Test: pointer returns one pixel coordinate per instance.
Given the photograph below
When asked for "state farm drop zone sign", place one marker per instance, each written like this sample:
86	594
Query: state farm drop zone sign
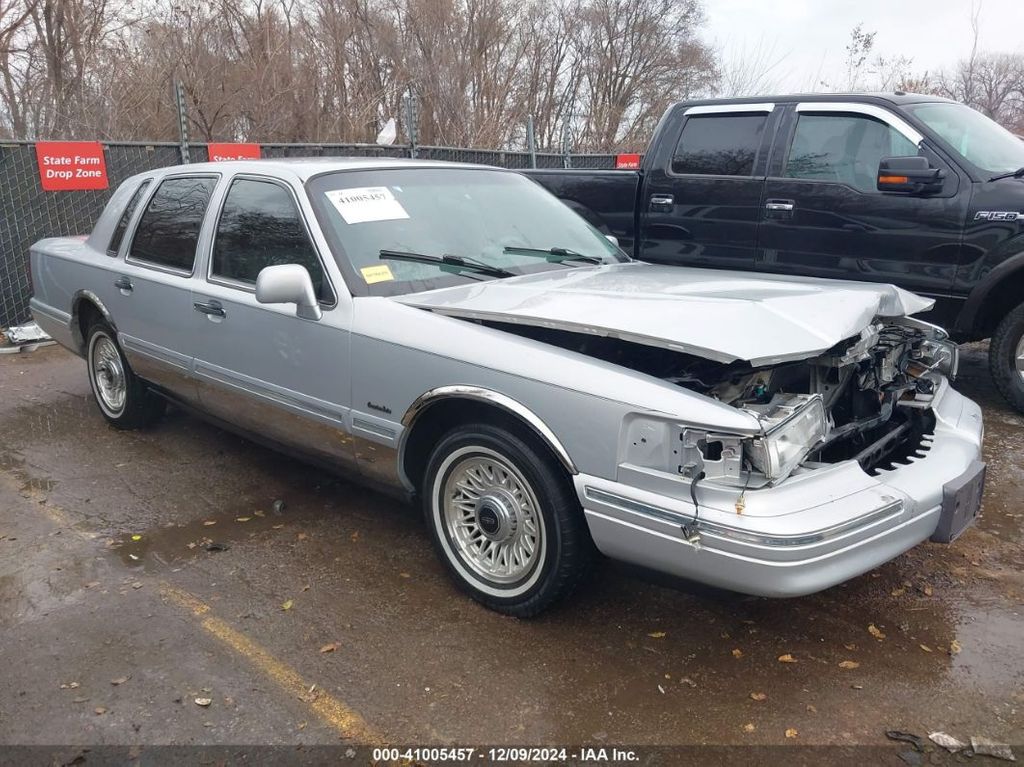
228	152
68	166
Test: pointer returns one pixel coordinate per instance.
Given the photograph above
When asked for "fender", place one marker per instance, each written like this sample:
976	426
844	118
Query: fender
502	401
968	318
76	303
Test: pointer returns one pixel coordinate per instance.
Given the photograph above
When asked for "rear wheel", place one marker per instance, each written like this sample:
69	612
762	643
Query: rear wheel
123	398
1006	357
505	520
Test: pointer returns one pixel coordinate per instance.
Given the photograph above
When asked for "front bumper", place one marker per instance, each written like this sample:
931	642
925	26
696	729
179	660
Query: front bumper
814	530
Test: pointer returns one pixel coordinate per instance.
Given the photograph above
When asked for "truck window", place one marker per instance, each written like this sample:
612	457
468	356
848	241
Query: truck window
122	224
260	226
844	148
719	145
168	232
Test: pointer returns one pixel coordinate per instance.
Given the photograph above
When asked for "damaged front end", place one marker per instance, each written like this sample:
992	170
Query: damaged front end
866	399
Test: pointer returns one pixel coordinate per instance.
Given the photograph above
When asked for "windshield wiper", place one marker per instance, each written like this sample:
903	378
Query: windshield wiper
1019	173
459	262
559	254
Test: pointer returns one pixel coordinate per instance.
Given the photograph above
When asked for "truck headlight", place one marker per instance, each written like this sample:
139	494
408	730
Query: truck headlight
793	425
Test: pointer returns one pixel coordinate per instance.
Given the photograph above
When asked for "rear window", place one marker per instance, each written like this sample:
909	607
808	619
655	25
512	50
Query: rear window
122	224
168	231
719	145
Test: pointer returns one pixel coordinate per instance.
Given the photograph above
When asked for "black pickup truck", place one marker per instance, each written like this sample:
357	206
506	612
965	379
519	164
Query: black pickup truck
913	190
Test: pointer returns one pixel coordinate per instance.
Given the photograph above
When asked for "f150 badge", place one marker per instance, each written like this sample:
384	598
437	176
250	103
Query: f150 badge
998	215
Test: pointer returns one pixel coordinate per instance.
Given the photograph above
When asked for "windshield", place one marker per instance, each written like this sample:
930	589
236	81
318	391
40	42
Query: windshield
476	215
979	140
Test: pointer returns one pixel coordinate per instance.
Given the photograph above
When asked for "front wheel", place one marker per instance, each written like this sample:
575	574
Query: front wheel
505	520
124	400
1006	357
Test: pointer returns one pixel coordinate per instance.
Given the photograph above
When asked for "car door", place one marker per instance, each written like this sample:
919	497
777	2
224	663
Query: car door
701	202
151	299
823	215
259	366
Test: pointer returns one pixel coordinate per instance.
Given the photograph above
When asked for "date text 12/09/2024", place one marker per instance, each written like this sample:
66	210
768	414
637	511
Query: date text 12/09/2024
506	754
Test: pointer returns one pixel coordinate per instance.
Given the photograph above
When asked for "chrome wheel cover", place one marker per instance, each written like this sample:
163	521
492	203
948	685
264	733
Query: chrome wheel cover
1018	357
491	518
107	373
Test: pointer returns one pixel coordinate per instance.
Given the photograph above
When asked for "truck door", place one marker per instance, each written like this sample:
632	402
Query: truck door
823	215
701	200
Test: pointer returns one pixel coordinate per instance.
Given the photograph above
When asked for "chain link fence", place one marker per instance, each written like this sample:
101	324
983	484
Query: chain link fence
29	213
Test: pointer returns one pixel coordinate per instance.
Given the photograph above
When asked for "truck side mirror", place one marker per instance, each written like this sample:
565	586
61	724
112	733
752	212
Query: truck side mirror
288	284
909	175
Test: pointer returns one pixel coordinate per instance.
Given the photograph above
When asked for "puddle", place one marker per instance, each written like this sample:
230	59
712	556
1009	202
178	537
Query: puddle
212	535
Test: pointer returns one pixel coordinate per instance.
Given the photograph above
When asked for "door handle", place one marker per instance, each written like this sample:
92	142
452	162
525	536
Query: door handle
210	308
124	285
779	209
662	202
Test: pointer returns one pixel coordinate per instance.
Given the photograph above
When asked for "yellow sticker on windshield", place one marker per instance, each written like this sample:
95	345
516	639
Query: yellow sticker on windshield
379	273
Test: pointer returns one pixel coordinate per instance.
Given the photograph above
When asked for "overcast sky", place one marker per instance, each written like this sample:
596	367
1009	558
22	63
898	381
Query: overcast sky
809	36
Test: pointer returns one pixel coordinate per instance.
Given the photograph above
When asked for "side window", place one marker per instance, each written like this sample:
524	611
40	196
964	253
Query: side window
260	226
168	231
719	145
122	224
844	149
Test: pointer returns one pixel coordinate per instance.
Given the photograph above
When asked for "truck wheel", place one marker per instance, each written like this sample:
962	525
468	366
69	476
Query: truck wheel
1006	357
505	520
124	400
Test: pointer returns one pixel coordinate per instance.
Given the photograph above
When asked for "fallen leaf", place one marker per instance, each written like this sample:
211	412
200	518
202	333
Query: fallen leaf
925	647
74	685
210	522
898	592
287	604
657	635
137	585
242	519
749	727
811	709
875	632
301	537
687	681
276	527
120	680
758	696
849	664
355	536
100	710
791	732
954	647
329	647
136	537
259	513
404	575
787	658
79	700
302	725
926	590
850	646
204	702
661	689
737	653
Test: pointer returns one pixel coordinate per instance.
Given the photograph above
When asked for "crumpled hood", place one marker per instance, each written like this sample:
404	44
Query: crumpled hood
763	319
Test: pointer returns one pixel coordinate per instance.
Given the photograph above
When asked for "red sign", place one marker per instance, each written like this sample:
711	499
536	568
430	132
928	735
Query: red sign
225	152
627	162
71	165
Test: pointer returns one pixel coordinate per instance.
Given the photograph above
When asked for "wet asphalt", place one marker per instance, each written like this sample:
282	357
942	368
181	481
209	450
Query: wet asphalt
116	616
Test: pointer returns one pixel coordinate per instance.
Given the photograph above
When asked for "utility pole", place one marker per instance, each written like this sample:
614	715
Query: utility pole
412	120
179	98
531	141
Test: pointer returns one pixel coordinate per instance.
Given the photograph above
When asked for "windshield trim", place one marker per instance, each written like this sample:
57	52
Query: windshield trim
357	286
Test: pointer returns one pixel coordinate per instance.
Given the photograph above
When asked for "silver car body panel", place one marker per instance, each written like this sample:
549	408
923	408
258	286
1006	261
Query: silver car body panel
351	387
762	319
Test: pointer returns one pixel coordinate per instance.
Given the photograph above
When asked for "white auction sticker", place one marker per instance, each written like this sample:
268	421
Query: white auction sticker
366	203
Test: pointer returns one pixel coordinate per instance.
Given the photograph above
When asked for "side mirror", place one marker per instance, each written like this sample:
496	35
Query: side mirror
909	175
288	284
612	239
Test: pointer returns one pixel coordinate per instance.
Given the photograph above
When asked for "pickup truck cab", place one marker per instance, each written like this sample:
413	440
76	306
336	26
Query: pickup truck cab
917	191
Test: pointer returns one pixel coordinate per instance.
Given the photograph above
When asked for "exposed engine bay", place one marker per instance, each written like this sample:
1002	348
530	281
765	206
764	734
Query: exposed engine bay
865	399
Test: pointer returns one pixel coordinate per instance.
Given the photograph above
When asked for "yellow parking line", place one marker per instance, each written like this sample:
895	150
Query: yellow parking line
348	723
